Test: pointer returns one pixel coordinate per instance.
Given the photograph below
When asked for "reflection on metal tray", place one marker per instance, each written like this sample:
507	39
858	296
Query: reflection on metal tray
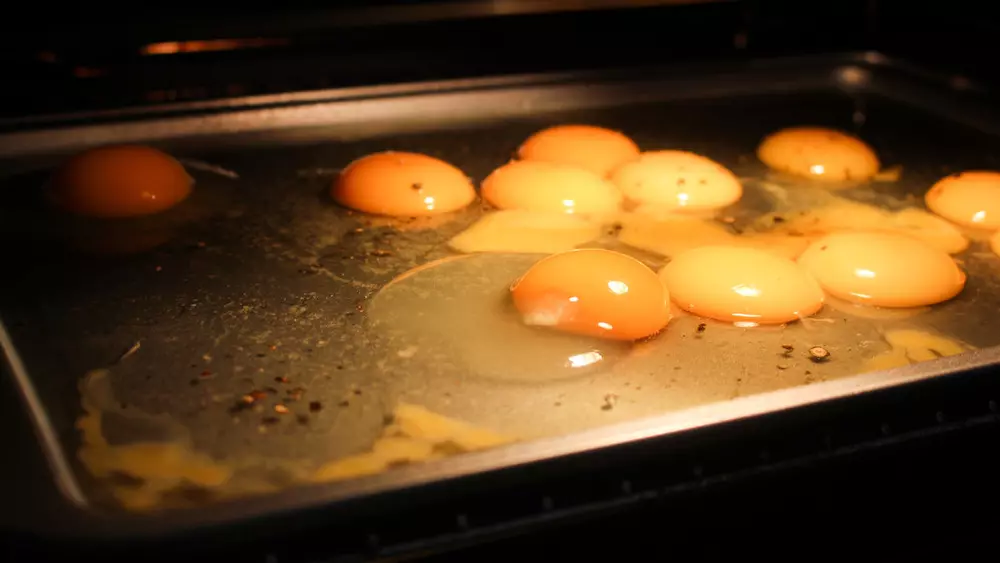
261	284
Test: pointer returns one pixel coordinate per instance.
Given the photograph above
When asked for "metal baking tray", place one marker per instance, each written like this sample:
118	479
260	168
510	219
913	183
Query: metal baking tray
259	281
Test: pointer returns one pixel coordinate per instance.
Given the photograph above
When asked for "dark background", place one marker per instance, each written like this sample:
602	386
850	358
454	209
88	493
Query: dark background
89	56
894	501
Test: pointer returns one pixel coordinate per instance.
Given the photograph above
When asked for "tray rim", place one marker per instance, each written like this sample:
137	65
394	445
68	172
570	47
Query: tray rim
464	100
111	526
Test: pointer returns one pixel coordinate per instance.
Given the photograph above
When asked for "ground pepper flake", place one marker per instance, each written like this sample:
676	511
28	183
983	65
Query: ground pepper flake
610	400
819	354
281	379
315	406
256	395
269	420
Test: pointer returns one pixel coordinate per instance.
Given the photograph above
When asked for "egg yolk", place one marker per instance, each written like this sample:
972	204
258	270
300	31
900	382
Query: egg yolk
818	153
678	180
593	292
745	286
995	242
592	148
402	184
968	198
883	269
544	186
120	181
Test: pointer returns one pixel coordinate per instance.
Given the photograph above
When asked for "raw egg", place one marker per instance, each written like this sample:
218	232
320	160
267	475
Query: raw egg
839	214
678	180
585	146
995	242
883	269
120	181
545	186
672	234
967	198
818	153
594	292
746	286
457	313
402	184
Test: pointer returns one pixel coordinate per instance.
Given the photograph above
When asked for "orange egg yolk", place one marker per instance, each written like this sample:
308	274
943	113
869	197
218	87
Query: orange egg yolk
883	269
678	180
402	184
593	292
818	153
745	286
545	186
120	181
592	148
968	198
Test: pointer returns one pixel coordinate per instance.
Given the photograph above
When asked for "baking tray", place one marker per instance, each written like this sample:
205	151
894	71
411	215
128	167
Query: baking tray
260	278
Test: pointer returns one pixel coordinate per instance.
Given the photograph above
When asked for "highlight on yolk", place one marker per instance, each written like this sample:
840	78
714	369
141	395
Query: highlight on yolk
593	292
678	180
883	269
545	186
818	153
596	149
402	184
967	198
120	181
745	286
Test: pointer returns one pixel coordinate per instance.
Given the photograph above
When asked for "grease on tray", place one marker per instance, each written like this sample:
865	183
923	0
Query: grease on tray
162	468
141	474
414	435
910	346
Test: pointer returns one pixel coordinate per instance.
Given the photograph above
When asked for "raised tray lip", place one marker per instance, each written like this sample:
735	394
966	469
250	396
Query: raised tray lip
463	100
83	522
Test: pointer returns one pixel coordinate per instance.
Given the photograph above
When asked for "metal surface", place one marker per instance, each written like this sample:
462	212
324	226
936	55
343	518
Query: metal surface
259	278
